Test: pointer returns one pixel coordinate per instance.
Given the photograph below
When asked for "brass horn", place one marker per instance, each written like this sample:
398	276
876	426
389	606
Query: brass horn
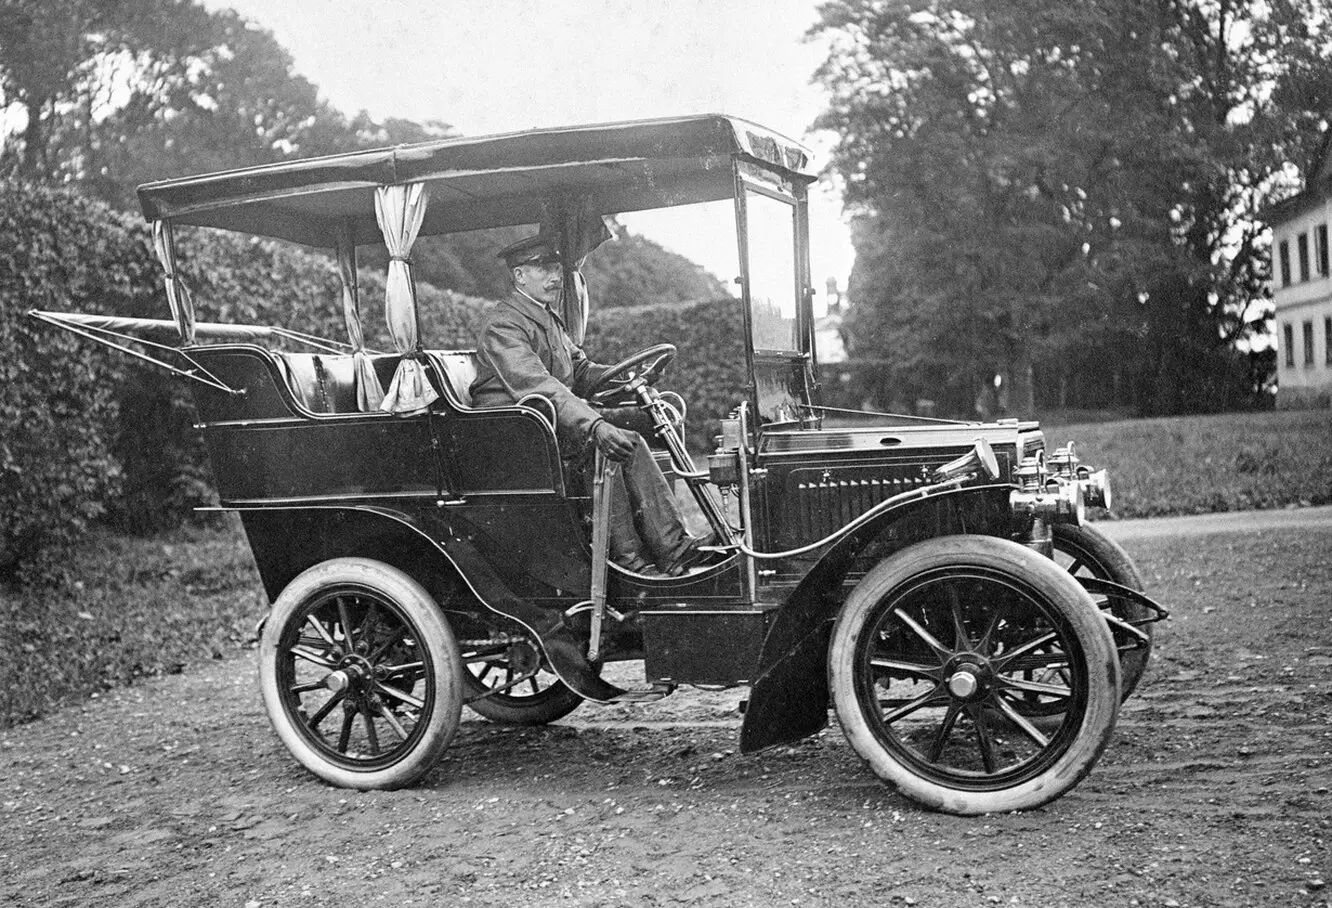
979	459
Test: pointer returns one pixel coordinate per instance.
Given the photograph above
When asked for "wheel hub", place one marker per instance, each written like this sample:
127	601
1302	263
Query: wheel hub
963	684
524	658
968	676
352	673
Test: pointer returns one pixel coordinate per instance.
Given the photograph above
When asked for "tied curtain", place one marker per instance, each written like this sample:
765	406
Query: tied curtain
178	295
579	229
369	394
399	211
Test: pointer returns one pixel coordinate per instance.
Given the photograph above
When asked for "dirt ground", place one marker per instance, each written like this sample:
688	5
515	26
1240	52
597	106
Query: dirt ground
1216	790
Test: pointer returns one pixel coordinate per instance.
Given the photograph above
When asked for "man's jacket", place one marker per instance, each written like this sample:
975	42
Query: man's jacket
524	349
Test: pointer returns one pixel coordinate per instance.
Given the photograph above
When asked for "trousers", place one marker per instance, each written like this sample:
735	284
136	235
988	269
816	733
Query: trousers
645	521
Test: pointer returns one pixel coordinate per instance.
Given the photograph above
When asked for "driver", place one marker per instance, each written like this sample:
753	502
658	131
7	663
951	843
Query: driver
524	348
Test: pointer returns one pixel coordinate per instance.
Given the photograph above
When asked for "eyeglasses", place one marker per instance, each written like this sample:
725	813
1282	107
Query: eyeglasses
544	258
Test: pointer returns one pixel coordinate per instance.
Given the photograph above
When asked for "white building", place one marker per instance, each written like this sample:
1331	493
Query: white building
1302	293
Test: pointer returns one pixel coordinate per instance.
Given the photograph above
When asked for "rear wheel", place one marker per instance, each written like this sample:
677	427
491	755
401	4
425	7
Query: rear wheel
930	668
508	681
360	674
1084	551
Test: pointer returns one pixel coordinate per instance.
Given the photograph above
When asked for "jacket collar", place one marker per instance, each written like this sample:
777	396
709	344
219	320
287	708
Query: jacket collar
533	310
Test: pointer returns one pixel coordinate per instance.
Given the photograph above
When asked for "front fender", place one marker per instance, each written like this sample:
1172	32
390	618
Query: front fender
789	698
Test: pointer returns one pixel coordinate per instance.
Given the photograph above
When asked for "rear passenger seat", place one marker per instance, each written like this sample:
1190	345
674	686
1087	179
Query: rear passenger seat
458	370
326	382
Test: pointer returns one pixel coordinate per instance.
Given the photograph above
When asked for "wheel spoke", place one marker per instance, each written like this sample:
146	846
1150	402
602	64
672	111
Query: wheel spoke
940	650
1031	731
983	741
344	734
387	643
961	639
344	615
307	687
1055	661
906	668
320	630
313	722
938	695
1077	565
369	623
401	696
414	669
394	724
1042	688
310	655
986	642
945	729
1003	659
371	733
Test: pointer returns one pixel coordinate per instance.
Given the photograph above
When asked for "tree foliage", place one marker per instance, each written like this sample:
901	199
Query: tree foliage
1068	192
116	94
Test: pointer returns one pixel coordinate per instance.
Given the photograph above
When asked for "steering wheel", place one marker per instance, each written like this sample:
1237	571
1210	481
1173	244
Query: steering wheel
614	380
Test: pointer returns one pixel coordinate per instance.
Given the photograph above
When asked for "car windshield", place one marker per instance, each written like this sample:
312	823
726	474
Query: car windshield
772	272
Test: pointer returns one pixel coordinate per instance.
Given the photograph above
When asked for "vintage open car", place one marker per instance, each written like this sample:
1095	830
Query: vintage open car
933	582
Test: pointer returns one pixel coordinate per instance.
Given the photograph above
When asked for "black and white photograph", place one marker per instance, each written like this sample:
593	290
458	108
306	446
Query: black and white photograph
683	453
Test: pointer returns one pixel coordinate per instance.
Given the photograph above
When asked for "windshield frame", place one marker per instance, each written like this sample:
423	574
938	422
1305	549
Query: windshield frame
781	382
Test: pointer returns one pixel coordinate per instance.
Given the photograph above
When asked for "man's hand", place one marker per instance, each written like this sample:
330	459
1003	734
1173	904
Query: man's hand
617	444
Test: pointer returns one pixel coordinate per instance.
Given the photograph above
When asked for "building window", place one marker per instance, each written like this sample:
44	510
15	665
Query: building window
1284	249
1308	343
1320	248
1327	340
1288	338
1303	242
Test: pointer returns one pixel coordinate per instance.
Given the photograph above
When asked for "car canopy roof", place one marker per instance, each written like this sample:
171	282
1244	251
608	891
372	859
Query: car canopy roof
486	181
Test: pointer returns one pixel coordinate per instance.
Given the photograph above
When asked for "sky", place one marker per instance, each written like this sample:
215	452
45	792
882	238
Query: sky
487	66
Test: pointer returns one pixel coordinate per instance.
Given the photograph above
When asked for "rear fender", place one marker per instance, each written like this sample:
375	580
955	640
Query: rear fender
287	541
789	699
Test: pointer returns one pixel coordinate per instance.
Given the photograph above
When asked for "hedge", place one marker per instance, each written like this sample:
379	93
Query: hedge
89	434
58	396
709	370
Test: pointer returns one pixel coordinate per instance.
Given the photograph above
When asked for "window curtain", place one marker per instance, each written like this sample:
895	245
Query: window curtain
579	229
369	394
178	295
399	211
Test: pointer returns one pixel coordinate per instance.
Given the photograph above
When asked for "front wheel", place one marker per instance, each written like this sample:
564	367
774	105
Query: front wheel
931	665
1085	551
360	674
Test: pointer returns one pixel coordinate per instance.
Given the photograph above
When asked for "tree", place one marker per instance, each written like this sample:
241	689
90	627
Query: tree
1060	188
45	48
119	92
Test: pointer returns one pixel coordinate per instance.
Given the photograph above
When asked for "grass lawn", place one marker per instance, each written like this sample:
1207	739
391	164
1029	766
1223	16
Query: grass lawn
134	608
142	607
1205	464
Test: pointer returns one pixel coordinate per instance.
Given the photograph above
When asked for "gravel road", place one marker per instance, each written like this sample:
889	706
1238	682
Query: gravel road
1216	790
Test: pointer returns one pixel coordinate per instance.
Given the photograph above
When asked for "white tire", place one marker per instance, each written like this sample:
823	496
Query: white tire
360	674
931	661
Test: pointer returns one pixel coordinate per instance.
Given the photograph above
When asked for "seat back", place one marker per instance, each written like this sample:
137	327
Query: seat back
321	382
457	371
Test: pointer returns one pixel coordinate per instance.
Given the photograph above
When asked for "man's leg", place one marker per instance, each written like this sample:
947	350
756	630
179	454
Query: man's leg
654	510
626	548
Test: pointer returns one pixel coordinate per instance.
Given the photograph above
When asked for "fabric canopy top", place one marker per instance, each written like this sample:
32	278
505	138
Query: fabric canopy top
488	181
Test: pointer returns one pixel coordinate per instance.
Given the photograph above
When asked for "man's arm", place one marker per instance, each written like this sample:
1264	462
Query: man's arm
585	372
510	351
